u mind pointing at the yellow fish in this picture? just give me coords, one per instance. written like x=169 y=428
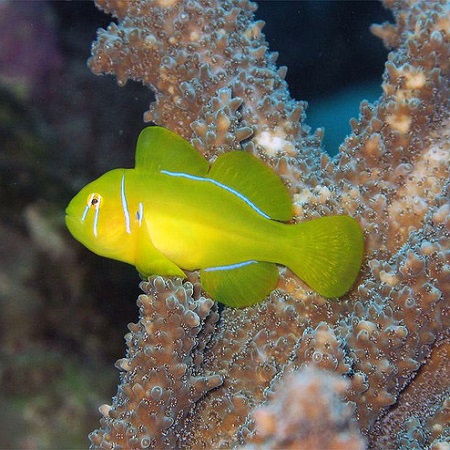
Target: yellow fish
x=174 y=211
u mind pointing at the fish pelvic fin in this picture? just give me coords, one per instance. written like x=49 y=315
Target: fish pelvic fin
x=326 y=253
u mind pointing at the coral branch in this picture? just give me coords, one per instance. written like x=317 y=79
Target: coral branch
x=217 y=84
x=215 y=79
x=423 y=412
x=161 y=378
x=305 y=412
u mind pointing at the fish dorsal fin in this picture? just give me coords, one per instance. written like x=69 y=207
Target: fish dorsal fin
x=252 y=178
x=240 y=285
x=160 y=149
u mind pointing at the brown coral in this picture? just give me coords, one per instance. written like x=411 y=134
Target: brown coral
x=161 y=378
x=217 y=84
x=422 y=413
x=305 y=412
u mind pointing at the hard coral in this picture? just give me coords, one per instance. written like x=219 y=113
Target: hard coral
x=305 y=412
x=161 y=378
x=217 y=84
x=215 y=79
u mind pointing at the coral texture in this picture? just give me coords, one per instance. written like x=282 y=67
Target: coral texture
x=160 y=378
x=217 y=84
x=423 y=409
x=306 y=413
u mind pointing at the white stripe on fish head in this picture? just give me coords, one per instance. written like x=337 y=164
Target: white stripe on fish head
x=123 y=197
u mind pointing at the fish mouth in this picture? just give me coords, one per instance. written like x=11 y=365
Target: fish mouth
x=73 y=224
x=74 y=221
x=79 y=231
x=69 y=221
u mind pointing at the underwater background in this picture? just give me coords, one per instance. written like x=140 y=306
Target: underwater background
x=64 y=310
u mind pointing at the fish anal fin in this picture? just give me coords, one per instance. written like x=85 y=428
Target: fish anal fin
x=240 y=285
x=161 y=149
x=252 y=178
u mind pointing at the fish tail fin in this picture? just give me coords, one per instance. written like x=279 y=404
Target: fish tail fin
x=326 y=253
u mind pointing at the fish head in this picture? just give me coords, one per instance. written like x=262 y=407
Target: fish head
x=99 y=217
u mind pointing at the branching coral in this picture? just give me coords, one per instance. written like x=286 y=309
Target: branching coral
x=306 y=413
x=161 y=380
x=217 y=84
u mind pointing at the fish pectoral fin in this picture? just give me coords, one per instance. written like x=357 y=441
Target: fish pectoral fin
x=162 y=266
x=150 y=261
x=240 y=285
x=243 y=172
x=160 y=149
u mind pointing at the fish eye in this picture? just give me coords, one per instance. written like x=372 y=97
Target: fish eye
x=94 y=200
